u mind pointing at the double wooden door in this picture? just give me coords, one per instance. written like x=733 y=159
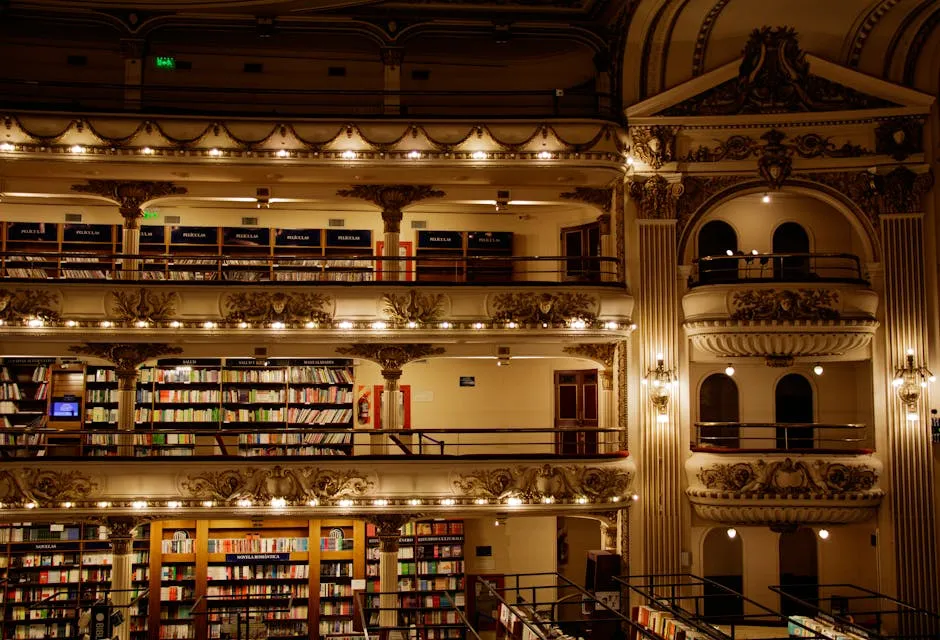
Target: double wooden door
x=576 y=417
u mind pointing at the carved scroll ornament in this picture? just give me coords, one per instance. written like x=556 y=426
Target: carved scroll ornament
x=601 y=352
x=144 y=305
x=562 y=482
x=391 y=357
x=654 y=145
x=45 y=487
x=790 y=477
x=548 y=308
x=263 y=483
x=415 y=306
x=266 y=306
x=773 y=304
x=595 y=196
x=125 y=356
x=20 y=305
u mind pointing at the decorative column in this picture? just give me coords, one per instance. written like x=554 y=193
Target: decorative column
x=391 y=357
x=121 y=535
x=660 y=451
x=392 y=199
x=130 y=196
x=388 y=531
x=908 y=316
x=132 y=51
x=126 y=358
x=391 y=58
x=606 y=401
x=601 y=199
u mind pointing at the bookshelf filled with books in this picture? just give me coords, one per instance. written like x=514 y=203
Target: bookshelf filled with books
x=248 y=253
x=464 y=256
x=24 y=390
x=92 y=248
x=173 y=575
x=31 y=242
x=341 y=561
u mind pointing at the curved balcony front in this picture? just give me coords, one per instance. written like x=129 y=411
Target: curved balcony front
x=783 y=474
x=780 y=306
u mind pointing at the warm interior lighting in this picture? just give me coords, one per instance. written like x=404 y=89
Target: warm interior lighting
x=345 y=324
x=278 y=503
x=208 y=324
x=909 y=382
x=766 y=198
x=147 y=151
x=282 y=153
x=514 y=502
x=414 y=155
x=349 y=155
x=77 y=148
x=139 y=504
x=244 y=502
x=6 y=146
x=660 y=380
x=215 y=153
x=448 y=502
x=818 y=369
x=545 y=155
x=732 y=533
x=478 y=155
x=378 y=325
x=380 y=502
x=729 y=370
x=824 y=534
x=174 y=504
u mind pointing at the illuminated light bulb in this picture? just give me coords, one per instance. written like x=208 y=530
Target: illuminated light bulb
x=615 y=499
x=633 y=327
x=244 y=502
x=448 y=502
x=313 y=503
x=141 y=324
x=932 y=379
x=644 y=381
x=349 y=155
x=729 y=252
x=545 y=155
x=215 y=153
x=635 y=497
x=243 y=325
x=208 y=324
x=630 y=160
x=578 y=324
x=77 y=148
x=147 y=151
x=732 y=533
x=310 y=325
x=548 y=500
x=30 y=505
x=729 y=371
x=345 y=503
x=545 y=325
x=478 y=155
x=514 y=502
x=582 y=500
x=104 y=505
x=278 y=503
x=824 y=534
x=174 y=504
x=175 y=324
x=378 y=325
x=662 y=418
x=611 y=325
x=345 y=324
x=445 y=325
x=282 y=153
x=910 y=352
x=923 y=384
x=71 y=323
x=381 y=502
x=897 y=382
x=35 y=322
x=278 y=325
x=6 y=146
x=481 y=501
x=414 y=155
x=66 y=505
x=660 y=357
x=512 y=325
x=912 y=416
x=208 y=503
x=414 y=502
x=818 y=369
x=478 y=325
x=766 y=198
x=139 y=504
x=106 y=324
x=754 y=252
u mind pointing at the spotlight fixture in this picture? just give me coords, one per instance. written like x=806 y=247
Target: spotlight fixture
x=478 y=155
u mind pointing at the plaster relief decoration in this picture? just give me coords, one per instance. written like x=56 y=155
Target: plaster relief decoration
x=131 y=195
x=391 y=357
x=656 y=197
x=295 y=484
x=266 y=306
x=561 y=482
x=773 y=304
x=900 y=137
x=790 y=478
x=774 y=77
x=594 y=196
x=23 y=305
x=126 y=357
x=601 y=352
x=45 y=487
x=414 y=306
x=654 y=145
x=544 y=308
x=807 y=145
x=144 y=305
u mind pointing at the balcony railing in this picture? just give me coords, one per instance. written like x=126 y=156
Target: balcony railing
x=771 y=437
x=198 y=99
x=305 y=269
x=216 y=442
x=777 y=267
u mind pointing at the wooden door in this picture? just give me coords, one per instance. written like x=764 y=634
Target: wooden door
x=579 y=245
x=576 y=412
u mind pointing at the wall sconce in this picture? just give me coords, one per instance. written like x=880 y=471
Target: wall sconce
x=909 y=380
x=660 y=381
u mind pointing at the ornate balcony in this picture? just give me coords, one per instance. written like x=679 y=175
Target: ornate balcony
x=780 y=306
x=783 y=474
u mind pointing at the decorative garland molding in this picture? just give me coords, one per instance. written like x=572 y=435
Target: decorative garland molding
x=784 y=304
x=391 y=357
x=600 y=352
x=298 y=484
x=126 y=357
x=564 y=482
x=144 y=305
x=23 y=305
x=545 y=308
x=597 y=197
x=414 y=306
x=45 y=487
x=734 y=339
x=654 y=145
x=266 y=307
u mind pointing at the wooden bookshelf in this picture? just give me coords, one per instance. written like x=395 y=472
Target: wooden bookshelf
x=440 y=256
x=194 y=253
x=249 y=249
x=87 y=239
x=173 y=575
x=347 y=255
x=300 y=252
x=488 y=256
x=32 y=240
x=24 y=390
x=464 y=256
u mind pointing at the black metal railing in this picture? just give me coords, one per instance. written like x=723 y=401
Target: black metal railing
x=412 y=619
x=307 y=269
x=726 y=437
x=777 y=267
x=219 y=441
x=300 y=102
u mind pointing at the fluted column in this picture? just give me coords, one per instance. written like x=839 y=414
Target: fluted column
x=127 y=396
x=121 y=535
x=907 y=318
x=392 y=199
x=388 y=530
x=393 y=400
x=660 y=452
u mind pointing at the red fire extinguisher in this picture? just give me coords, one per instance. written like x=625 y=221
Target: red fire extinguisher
x=362 y=408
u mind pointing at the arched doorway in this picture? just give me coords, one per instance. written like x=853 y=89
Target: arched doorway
x=724 y=564
x=718 y=402
x=791 y=237
x=799 y=571
x=793 y=399
x=716 y=238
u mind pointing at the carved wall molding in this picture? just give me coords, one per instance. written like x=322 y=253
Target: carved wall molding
x=656 y=198
x=144 y=305
x=654 y=145
x=295 y=484
x=414 y=306
x=736 y=339
x=784 y=514
x=268 y=306
x=704 y=35
x=599 y=197
x=785 y=304
x=564 y=482
x=45 y=487
x=126 y=357
x=790 y=478
x=807 y=145
x=388 y=528
x=900 y=137
x=544 y=308
x=391 y=198
x=130 y=195
x=22 y=305
x=391 y=357
x=600 y=352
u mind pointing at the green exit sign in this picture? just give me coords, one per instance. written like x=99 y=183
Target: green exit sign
x=165 y=62
x=151 y=215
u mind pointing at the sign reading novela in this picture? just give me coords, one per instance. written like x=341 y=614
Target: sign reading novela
x=255 y=557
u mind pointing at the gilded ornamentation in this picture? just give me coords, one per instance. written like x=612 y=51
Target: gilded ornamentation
x=391 y=357
x=296 y=484
x=268 y=306
x=388 y=529
x=789 y=477
x=21 y=305
x=774 y=164
x=601 y=352
x=121 y=533
x=548 y=308
x=125 y=356
x=807 y=145
x=392 y=198
x=44 y=487
x=130 y=194
x=900 y=137
x=784 y=304
x=656 y=197
x=899 y=191
x=655 y=145
x=415 y=306
x=736 y=147
x=594 y=196
x=144 y=305
x=563 y=482
x=774 y=77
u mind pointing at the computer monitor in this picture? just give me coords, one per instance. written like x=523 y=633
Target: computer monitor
x=65 y=409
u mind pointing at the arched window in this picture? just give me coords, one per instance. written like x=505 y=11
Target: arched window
x=718 y=402
x=716 y=238
x=799 y=573
x=724 y=563
x=790 y=237
x=793 y=399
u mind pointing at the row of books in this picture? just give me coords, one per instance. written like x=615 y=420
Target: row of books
x=665 y=624
x=37 y=632
x=254 y=395
x=309 y=415
x=336 y=608
x=39 y=374
x=806 y=627
x=404 y=553
x=449 y=527
x=258 y=572
x=440 y=551
x=255 y=589
x=336 y=544
x=173 y=593
x=336 y=590
x=328 y=395
x=440 y=566
x=184 y=545
x=336 y=569
x=176 y=572
x=258 y=545
x=12 y=391
x=288 y=438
